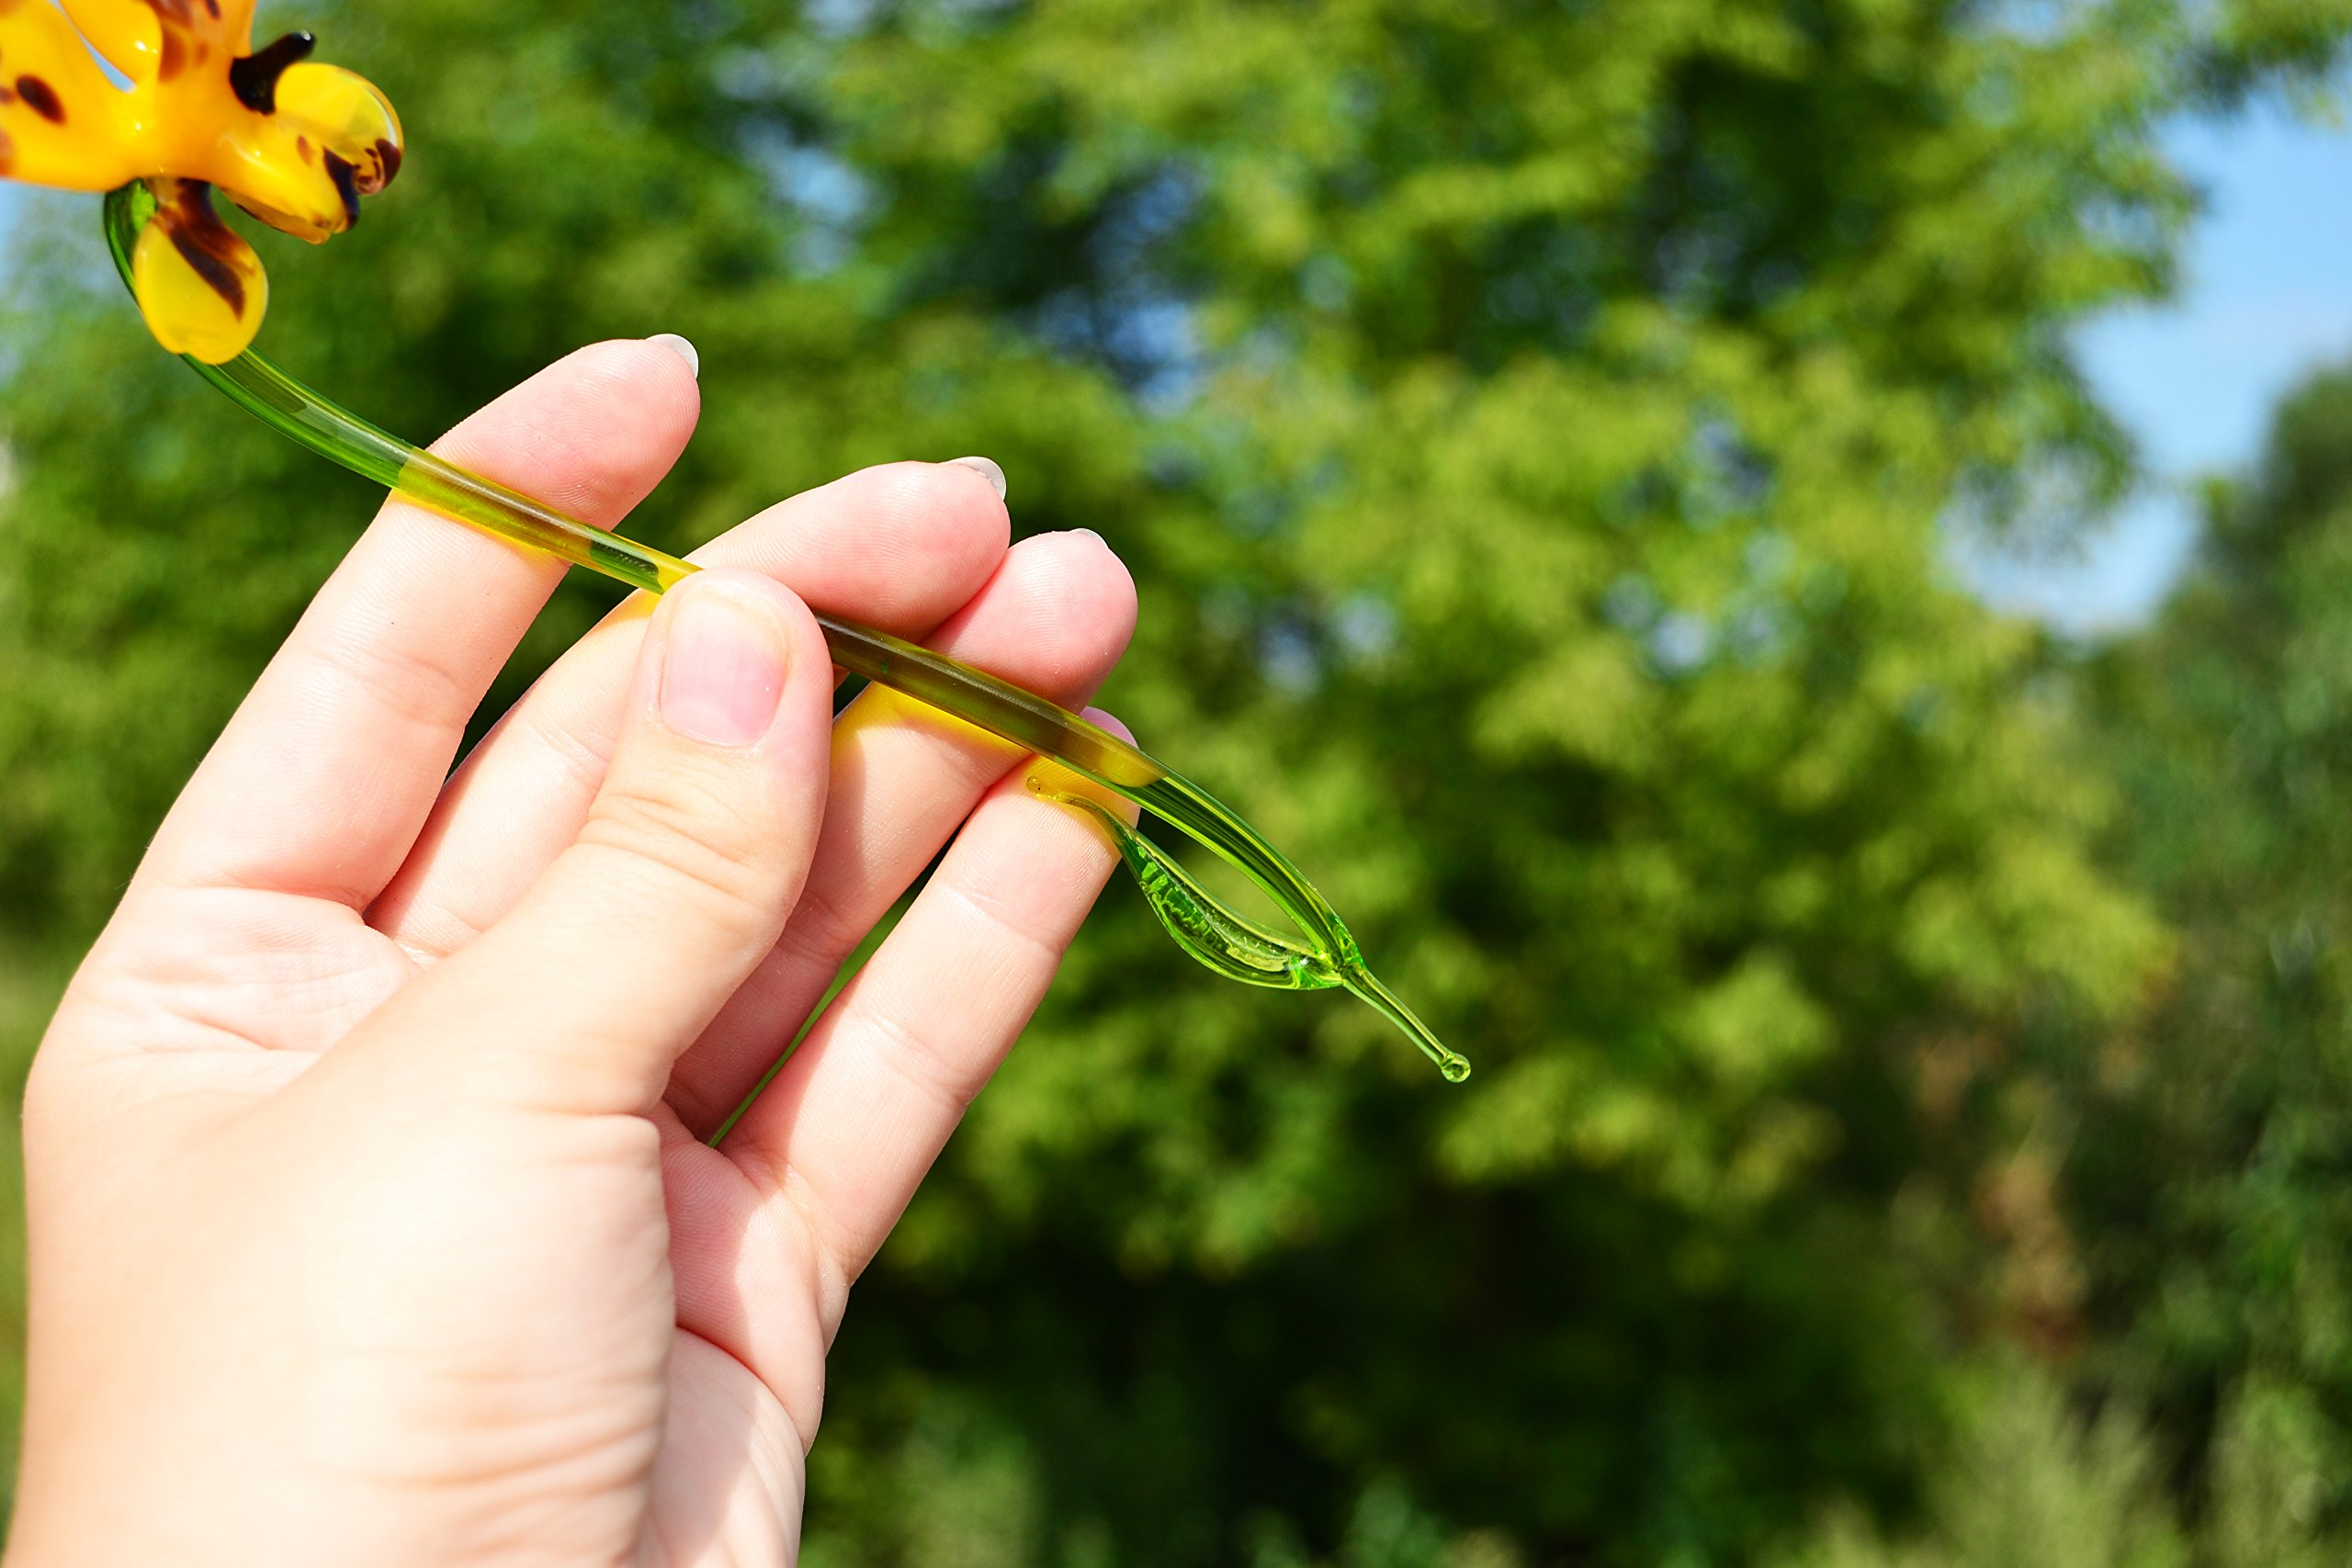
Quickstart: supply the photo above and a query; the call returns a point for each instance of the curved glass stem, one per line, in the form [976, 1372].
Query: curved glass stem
[975, 696]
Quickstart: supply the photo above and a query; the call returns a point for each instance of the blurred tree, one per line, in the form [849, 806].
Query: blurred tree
[1531, 425]
[2218, 1126]
[2032, 1484]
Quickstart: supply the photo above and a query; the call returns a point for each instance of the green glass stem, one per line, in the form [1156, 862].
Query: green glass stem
[1225, 942]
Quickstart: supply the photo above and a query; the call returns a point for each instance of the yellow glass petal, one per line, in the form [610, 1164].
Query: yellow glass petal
[283, 221]
[155, 40]
[199, 284]
[331, 140]
[353, 121]
[128, 33]
[61, 122]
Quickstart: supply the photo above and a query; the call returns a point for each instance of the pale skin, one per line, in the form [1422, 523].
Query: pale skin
[372, 1218]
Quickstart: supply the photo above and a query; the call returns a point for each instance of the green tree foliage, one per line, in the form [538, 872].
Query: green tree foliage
[2032, 1482]
[2030, 1486]
[2217, 1126]
[1531, 425]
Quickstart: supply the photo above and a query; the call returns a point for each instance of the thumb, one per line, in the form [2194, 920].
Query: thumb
[678, 882]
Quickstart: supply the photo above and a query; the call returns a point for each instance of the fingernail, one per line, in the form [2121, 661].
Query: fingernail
[986, 469]
[1090, 533]
[722, 667]
[682, 348]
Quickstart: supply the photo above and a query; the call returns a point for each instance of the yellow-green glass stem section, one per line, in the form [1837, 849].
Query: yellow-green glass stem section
[973, 695]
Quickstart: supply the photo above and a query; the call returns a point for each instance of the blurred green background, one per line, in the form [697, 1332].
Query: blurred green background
[1913, 1121]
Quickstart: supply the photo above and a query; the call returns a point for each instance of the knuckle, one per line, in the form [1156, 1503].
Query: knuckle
[688, 832]
[415, 687]
[819, 932]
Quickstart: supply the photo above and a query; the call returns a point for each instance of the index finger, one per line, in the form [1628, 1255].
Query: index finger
[318, 783]
[900, 545]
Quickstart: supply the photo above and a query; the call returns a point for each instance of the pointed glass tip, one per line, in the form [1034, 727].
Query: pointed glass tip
[1452, 1063]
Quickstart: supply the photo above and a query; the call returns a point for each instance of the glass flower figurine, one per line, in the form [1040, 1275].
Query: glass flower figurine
[292, 142]
[193, 109]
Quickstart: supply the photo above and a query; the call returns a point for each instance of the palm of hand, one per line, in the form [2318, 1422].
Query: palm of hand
[365, 1230]
[500, 1289]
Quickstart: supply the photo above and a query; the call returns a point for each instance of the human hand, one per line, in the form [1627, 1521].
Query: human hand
[372, 1217]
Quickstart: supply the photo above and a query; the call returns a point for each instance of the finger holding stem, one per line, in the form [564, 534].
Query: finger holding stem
[1225, 942]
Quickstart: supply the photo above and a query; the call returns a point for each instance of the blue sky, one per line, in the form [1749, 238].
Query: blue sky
[2266, 296]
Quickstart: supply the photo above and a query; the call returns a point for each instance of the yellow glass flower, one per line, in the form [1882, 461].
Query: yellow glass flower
[296, 144]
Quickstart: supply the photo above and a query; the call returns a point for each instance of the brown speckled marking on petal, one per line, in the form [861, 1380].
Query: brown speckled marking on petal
[41, 98]
[346, 186]
[171, 25]
[8, 148]
[203, 240]
[377, 171]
